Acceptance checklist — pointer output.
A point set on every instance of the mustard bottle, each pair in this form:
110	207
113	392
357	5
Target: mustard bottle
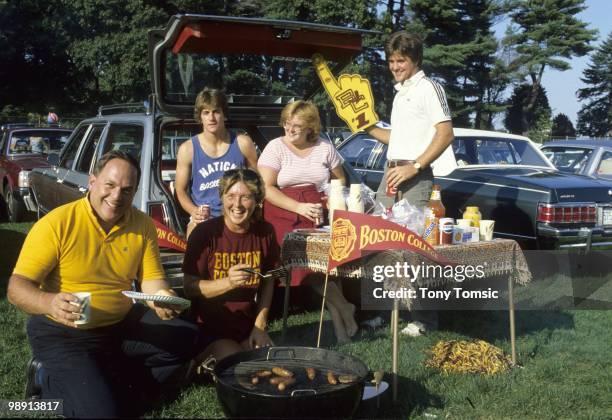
472	213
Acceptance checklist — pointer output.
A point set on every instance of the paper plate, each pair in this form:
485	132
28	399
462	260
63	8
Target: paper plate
371	392
173	300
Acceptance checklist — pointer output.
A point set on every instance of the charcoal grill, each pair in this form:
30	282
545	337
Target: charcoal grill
305	398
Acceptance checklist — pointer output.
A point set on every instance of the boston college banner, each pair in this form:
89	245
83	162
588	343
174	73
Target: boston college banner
167	238
353	233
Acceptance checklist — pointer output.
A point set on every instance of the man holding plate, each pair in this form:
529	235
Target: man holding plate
85	253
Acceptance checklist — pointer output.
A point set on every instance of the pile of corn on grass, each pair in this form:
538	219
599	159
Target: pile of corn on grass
476	356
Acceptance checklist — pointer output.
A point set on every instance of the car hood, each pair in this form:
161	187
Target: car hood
30	161
563	187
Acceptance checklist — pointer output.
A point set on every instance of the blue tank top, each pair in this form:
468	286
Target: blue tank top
206	172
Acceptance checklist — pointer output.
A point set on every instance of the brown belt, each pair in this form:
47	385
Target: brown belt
399	162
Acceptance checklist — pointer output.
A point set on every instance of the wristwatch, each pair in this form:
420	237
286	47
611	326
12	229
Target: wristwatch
417	166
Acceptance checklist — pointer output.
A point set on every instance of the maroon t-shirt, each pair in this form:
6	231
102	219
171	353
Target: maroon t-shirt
212	249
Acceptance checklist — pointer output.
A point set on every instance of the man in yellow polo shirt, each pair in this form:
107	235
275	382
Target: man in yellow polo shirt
99	244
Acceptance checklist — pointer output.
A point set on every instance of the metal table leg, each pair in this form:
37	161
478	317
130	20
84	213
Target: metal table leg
511	314
285	309
395	347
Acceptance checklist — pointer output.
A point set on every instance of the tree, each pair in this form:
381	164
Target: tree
562	127
351	13
516	121
36	71
460	50
546	34
595	116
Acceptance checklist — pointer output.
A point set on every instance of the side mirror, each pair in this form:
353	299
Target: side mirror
53	159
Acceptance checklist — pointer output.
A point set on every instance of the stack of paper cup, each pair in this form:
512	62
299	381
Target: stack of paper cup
486	230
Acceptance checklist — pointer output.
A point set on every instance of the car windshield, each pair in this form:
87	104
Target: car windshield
246	78
37	141
363	151
496	151
568	159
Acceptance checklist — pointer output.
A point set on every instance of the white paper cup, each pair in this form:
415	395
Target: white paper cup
486	230
85	301
464	223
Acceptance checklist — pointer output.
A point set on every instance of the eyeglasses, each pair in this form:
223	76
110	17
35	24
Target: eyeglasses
298	129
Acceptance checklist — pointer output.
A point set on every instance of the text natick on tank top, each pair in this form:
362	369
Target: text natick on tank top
207	171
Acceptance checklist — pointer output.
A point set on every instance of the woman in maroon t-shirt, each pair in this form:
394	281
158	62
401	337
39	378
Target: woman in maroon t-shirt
217	252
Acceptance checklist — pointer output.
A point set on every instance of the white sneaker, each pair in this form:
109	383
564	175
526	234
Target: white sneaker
373	323
414	329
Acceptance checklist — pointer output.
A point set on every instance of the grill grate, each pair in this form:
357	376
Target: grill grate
239	376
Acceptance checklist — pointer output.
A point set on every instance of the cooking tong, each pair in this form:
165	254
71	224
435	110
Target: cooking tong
272	274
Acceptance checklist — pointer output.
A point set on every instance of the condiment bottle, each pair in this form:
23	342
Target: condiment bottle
336	199
433	213
354	201
472	213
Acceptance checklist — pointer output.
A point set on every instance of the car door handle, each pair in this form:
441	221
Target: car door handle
81	189
59	181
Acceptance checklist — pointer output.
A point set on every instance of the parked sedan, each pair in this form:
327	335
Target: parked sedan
23	147
511	182
586	157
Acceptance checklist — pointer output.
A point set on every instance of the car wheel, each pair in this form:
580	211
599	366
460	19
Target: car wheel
3	210
15	209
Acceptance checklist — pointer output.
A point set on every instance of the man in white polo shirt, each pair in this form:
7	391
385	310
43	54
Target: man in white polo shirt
421	127
421	130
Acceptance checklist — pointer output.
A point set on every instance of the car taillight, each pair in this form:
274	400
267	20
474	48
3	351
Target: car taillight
157	211
24	179
563	213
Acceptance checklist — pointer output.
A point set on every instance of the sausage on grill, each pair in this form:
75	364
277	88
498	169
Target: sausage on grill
282	372
331	378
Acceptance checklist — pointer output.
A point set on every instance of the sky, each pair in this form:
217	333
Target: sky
561	86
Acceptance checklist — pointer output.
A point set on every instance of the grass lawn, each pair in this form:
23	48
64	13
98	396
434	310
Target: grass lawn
565	355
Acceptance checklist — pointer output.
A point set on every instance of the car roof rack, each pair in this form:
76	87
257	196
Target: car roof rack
16	125
126	107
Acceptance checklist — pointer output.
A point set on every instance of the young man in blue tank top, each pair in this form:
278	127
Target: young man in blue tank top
201	162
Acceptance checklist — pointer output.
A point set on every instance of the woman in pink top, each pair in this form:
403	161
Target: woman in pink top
294	167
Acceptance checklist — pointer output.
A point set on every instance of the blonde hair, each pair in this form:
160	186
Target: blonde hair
308	112
248	177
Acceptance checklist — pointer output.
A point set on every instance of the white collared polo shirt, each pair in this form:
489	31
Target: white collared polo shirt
419	104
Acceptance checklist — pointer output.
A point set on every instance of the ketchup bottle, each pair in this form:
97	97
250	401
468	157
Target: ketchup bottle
433	213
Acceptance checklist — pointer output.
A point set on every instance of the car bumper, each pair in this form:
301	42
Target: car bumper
172	263
559	238
24	195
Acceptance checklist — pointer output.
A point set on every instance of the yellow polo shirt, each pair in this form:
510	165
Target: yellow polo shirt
68	251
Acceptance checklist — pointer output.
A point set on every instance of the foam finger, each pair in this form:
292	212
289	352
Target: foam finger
327	78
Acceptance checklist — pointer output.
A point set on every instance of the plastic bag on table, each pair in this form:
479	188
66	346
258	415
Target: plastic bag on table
368	196
379	210
409	216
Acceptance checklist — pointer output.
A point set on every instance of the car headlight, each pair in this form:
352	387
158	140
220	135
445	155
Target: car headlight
24	179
